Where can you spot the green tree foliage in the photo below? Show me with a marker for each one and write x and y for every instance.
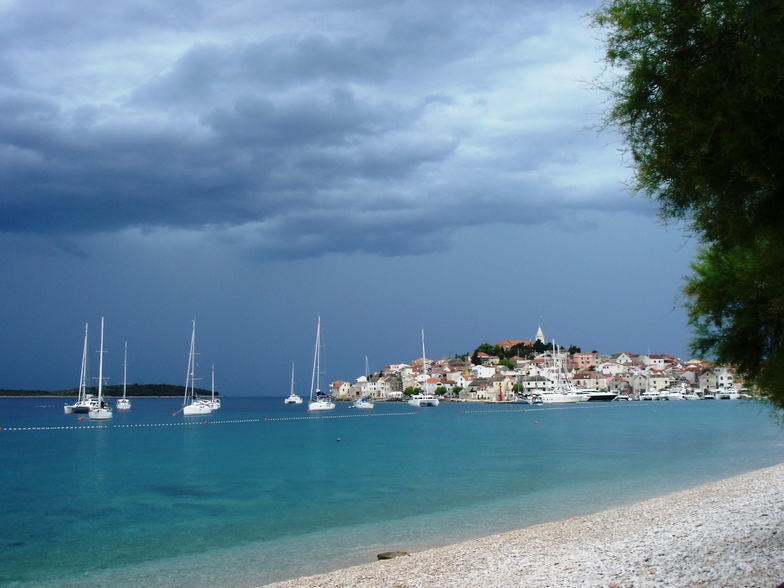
(699, 100)
(736, 306)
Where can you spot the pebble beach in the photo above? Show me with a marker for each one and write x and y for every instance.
(727, 533)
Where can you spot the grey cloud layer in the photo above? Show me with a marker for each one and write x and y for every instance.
(383, 130)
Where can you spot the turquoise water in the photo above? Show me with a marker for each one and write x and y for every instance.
(260, 491)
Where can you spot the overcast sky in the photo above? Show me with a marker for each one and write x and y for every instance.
(386, 165)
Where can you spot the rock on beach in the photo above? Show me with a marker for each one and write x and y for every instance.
(728, 533)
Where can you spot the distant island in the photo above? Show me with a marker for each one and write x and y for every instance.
(133, 390)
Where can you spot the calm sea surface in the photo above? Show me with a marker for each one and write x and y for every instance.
(260, 491)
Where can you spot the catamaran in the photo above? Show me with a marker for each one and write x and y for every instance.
(318, 400)
(292, 398)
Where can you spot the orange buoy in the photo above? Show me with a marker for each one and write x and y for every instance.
(536, 422)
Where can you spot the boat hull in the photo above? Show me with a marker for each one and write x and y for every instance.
(196, 409)
(321, 405)
(420, 400)
(559, 398)
(601, 397)
(100, 414)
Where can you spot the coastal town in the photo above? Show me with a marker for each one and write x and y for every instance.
(487, 377)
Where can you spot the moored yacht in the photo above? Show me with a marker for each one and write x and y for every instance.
(318, 400)
(84, 401)
(292, 398)
(102, 412)
(124, 403)
(423, 398)
(192, 405)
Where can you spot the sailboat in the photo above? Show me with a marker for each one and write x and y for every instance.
(214, 402)
(123, 403)
(318, 400)
(365, 401)
(84, 401)
(191, 404)
(423, 398)
(292, 398)
(562, 391)
(103, 411)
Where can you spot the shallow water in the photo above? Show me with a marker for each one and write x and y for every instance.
(260, 491)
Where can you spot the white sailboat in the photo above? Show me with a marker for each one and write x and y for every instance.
(191, 404)
(292, 398)
(364, 402)
(318, 400)
(424, 398)
(103, 411)
(214, 402)
(84, 401)
(562, 391)
(123, 403)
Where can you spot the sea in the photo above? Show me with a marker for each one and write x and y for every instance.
(261, 491)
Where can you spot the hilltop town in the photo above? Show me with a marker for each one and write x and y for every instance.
(522, 368)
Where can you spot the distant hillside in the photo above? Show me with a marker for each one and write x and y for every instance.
(134, 390)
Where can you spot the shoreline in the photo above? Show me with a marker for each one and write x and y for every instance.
(724, 533)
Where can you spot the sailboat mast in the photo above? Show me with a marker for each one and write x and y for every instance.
(189, 374)
(314, 378)
(292, 379)
(125, 368)
(424, 364)
(100, 367)
(83, 375)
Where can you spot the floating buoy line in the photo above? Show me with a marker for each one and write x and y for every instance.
(507, 410)
(205, 422)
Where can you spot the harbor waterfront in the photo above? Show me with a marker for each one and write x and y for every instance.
(262, 491)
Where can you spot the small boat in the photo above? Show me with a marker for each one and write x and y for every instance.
(593, 395)
(318, 400)
(102, 412)
(123, 403)
(535, 399)
(363, 402)
(192, 405)
(292, 398)
(650, 394)
(423, 398)
(728, 394)
(84, 401)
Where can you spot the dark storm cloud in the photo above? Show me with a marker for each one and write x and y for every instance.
(382, 131)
